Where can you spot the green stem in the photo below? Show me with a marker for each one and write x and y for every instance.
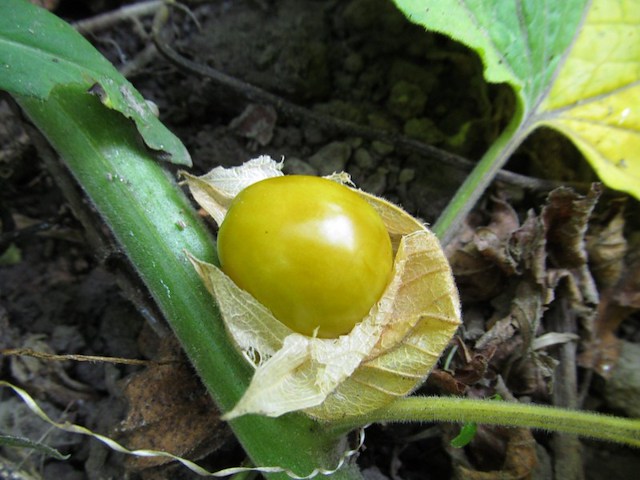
(155, 224)
(460, 410)
(480, 178)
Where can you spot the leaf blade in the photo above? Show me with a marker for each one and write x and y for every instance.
(39, 51)
(558, 64)
(594, 101)
(527, 59)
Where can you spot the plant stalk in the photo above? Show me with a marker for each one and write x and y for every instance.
(462, 410)
(480, 178)
(155, 224)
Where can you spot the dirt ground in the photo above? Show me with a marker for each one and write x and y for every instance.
(549, 277)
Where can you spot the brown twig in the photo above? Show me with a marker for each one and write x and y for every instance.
(108, 19)
(29, 352)
(567, 449)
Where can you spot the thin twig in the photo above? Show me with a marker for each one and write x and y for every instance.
(108, 19)
(567, 449)
(129, 13)
(28, 352)
(141, 60)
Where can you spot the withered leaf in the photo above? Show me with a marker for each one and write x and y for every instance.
(607, 248)
(170, 410)
(528, 244)
(519, 462)
(566, 217)
(483, 257)
(493, 240)
(446, 382)
(616, 304)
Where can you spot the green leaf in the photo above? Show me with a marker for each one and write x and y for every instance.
(39, 51)
(155, 224)
(520, 43)
(21, 442)
(574, 66)
(467, 432)
(469, 429)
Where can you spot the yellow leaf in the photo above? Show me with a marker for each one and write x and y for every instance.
(595, 99)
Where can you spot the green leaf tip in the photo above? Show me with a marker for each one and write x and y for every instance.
(22, 442)
(39, 51)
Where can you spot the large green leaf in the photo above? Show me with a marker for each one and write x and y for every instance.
(39, 51)
(520, 42)
(574, 66)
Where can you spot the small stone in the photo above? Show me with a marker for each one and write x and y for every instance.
(406, 100)
(406, 175)
(363, 159)
(355, 142)
(423, 129)
(313, 135)
(287, 136)
(256, 122)
(424, 77)
(296, 166)
(382, 122)
(382, 148)
(267, 57)
(353, 63)
(345, 110)
(331, 158)
(376, 183)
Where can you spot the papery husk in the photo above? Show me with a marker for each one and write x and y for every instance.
(387, 355)
(215, 191)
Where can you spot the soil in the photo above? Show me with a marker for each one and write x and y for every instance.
(357, 62)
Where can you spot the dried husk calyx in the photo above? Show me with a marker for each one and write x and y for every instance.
(387, 355)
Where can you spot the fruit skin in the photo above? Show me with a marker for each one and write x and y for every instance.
(309, 249)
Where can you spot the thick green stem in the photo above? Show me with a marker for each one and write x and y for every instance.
(155, 224)
(455, 409)
(480, 178)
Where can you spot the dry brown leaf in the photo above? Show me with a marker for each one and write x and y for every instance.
(616, 304)
(607, 248)
(494, 239)
(565, 218)
(627, 291)
(519, 463)
(45, 375)
(482, 258)
(475, 368)
(545, 252)
(446, 382)
(477, 277)
(170, 410)
(528, 244)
